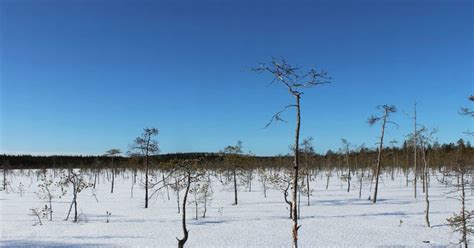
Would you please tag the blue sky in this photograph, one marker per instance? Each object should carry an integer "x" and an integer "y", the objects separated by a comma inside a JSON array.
[{"x": 81, "y": 77}]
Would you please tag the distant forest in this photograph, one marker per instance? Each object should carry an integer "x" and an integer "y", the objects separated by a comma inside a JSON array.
[{"x": 440, "y": 155}]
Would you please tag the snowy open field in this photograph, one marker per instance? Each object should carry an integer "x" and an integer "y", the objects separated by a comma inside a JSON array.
[{"x": 335, "y": 218}]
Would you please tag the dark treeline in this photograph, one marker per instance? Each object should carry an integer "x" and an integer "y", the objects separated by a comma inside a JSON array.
[{"x": 440, "y": 155}]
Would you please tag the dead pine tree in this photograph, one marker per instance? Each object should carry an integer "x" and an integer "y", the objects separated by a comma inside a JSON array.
[
  {"x": 182, "y": 241},
  {"x": 386, "y": 111},
  {"x": 294, "y": 80},
  {"x": 146, "y": 145},
  {"x": 188, "y": 173},
  {"x": 112, "y": 153}
]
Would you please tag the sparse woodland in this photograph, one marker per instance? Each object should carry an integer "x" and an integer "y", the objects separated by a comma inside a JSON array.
[{"x": 189, "y": 178}]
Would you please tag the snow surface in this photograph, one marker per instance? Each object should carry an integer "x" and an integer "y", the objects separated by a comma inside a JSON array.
[{"x": 335, "y": 218}]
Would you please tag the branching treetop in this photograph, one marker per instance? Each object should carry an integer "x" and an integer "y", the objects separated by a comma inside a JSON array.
[
  {"x": 292, "y": 76},
  {"x": 145, "y": 144},
  {"x": 386, "y": 109}
]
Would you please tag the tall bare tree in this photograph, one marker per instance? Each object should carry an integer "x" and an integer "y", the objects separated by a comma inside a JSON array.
[
  {"x": 112, "y": 153},
  {"x": 234, "y": 156},
  {"x": 386, "y": 111},
  {"x": 146, "y": 145},
  {"x": 294, "y": 80}
]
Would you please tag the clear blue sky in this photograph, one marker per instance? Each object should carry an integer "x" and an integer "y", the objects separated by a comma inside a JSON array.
[{"x": 81, "y": 77}]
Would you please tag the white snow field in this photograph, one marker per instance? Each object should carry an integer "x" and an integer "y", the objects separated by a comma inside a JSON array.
[{"x": 335, "y": 217}]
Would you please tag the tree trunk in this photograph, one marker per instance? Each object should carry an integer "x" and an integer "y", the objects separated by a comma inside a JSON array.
[
  {"x": 285, "y": 195},
  {"x": 427, "y": 211},
  {"x": 50, "y": 200},
  {"x": 4, "y": 177},
  {"x": 113, "y": 177},
  {"x": 360, "y": 183},
  {"x": 299, "y": 203},
  {"x": 235, "y": 186},
  {"x": 177, "y": 194},
  {"x": 349, "y": 174},
  {"x": 146, "y": 181},
  {"x": 296, "y": 171},
  {"x": 379, "y": 157},
  {"x": 425, "y": 185},
  {"x": 70, "y": 208},
  {"x": 327, "y": 180},
  {"x": 205, "y": 205},
  {"x": 307, "y": 186},
  {"x": 250, "y": 181},
  {"x": 463, "y": 210},
  {"x": 75, "y": 209},
  {"x": 182, "y": 241},
  {"x": 195, "y": 204},
  {"x": 264, "y": 183},
  {"x": 95, "y": 179}
]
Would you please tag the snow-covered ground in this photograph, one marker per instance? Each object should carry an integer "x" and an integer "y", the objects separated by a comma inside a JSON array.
[{"x": 335, "y": 217}]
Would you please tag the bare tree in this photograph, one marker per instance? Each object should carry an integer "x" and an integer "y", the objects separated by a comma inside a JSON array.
[
  {"x": 462, "y": 221},
  {"x": 234, "y": 156},
  {"x": 182, "y": 241},
  {"x": 146, "y": 145},
  {"x": 294, "y": 81},
  {"x": 283, "y": 182},
  {"x": 425, "y": 139},
  {"x": 386, "y": 111},
  {"x": 76, "y": 179},
  {"x": 189, "y": 174},
  {"x": 47, "y": 193},
  {"x": 112, "y": 153}
]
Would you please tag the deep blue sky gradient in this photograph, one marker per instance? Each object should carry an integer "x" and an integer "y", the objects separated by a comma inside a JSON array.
[{"x": 80, "y": 77}]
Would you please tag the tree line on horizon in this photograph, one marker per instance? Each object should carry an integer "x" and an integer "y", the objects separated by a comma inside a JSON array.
[{"x": 394, "y": 156}]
